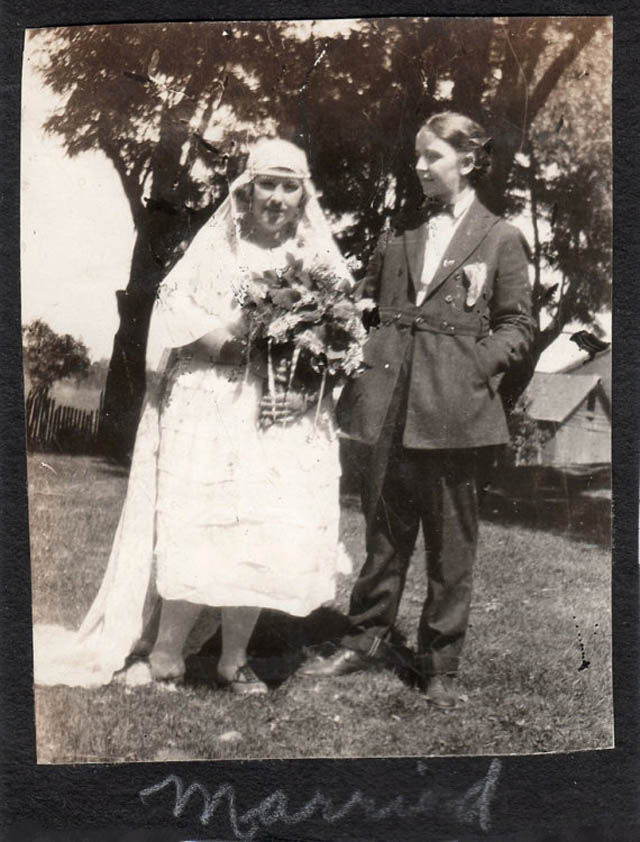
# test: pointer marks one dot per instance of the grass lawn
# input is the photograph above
(541, 611)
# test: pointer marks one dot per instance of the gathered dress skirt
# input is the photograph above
(244, 516)
(218, 512)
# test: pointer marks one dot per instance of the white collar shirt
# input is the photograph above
(440, 230)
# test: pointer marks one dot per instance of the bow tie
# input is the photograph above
(435, 207)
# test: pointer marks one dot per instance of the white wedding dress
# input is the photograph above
(217, 512)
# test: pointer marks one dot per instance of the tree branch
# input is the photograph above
(537, 248)
(584, 32)
(130, 184)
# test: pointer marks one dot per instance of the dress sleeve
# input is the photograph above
(181, 319)
(189, 302)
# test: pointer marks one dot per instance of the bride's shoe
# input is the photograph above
(245, 682)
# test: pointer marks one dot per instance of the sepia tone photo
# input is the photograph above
(316, 322)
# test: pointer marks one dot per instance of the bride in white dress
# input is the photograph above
(219, 511)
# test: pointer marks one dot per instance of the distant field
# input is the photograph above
(75, 395)
(541, 610)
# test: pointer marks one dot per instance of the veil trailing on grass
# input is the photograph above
(193, 300)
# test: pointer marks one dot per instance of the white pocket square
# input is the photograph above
(476, 276)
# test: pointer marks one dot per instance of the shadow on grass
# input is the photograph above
(109, 467)
(576, 515)
(282, 643)
(578, 507)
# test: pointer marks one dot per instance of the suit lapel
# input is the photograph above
(468, 236)
(414, 245)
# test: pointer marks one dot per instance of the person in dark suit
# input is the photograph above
(454, 308)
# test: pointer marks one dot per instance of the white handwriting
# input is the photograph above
(471, 807)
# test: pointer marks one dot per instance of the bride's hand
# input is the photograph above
(281, 373)
(283, 407)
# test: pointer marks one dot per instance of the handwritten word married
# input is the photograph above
(470, 807)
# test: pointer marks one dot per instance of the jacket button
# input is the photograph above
(386, 365)
(448, 298)
(445, 324)
(419, 319)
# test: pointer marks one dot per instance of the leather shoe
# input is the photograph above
(440, 691)
(342, 662)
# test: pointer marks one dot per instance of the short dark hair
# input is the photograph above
(465, 135)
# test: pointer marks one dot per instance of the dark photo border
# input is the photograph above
(578, 796)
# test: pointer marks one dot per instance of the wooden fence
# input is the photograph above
(65, 429)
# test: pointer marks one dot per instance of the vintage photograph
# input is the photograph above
(316, 324)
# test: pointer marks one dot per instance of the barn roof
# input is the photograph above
(553, 396)
(600, 365)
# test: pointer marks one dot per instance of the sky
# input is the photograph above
(76, 230)
(77, 235)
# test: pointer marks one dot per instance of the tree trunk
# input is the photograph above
(125, 385)
(162, 229)
(471, 45)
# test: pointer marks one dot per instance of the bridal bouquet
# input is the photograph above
(306, 322)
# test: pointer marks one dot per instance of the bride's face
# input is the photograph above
(276, 199)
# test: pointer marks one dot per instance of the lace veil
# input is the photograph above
(194, 297)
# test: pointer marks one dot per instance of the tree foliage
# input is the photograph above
(567, 180)
(174, 105)
(48, 357)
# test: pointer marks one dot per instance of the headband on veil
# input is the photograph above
(192, 295)
(272, 155)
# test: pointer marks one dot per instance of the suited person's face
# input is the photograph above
(442, 170)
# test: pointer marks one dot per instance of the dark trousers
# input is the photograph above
(438, 489)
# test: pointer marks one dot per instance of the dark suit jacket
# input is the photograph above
(474, 323)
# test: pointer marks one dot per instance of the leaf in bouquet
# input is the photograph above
(310, 315)
(308, 298)
(303, 318)
(284, 297)
(282, 327)
(306, 280)
(262, 310)
(338, 334)
(323, 277)
(302, 279)
(294, 271)
(261, 320)
(271, 278)
(294, 263)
